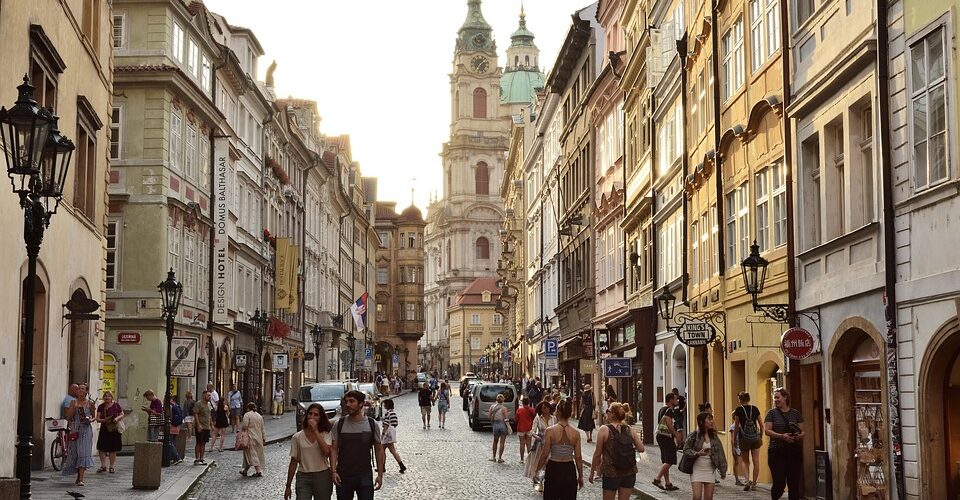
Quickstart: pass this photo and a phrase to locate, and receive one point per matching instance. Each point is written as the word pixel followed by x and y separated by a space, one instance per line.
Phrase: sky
pixel 378 70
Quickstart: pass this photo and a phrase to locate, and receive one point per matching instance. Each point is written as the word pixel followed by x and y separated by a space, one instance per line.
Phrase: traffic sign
pixel 368 352
pixel 617 367
pixel 696 333
pixel 797 343
pixel 396 359
pixel 482 360
pixel 551 347
pixel 551 366
pixel 183 357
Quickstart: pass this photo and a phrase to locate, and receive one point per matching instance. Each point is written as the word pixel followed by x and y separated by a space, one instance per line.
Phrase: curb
pixel 193 482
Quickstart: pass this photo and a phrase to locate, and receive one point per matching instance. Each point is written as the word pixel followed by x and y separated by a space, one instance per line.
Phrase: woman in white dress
pixel 253 455
pixel 707 450
pixel 543 420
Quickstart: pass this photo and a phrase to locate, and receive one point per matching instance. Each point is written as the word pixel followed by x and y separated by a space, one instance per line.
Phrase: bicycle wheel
pixel 57 456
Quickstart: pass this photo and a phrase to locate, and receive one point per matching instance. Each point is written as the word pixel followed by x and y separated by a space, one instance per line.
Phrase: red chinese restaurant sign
pixel 797 343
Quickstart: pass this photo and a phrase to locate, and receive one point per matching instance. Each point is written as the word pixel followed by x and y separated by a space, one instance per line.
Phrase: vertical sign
pixel 293 260
pixel 221 220
pixel 282 274
pixel 586 340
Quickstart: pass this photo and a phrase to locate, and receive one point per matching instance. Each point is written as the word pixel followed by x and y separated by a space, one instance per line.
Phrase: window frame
pixel 113 235
pixel 122 16
pixel 177 42
pixel 731 67
pixel 944 25
pixel 116 131
pixel 175 148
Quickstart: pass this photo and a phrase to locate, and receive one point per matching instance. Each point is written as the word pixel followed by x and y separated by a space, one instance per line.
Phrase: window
pixel 381 312
pixel 704 245
pixel 779 189
pixel 85 165
pixel 173 248
pixel 177 44
pixel 602 259
pixel 412 240
pixel 90 23
pixel 863 184
pixel 45 67
pixel 384 238
pixel 113 245
pixel 474 319
pixel 612 237
pixel 764 31
pixel 474 343
pixel 116 117
pixel 193 58
pixel 383 275
pixel 479 103
pixel 810 191
pixel 119 33
pixel 204 274
pixel 190 153
pixel 482 179
pixel 189 262
pixel 738 225
pixel 928 91
pixel 694 253
pixel 805 9
pixel 203 160
pixel 715 238
pixel 205 72
pixel 176 141
pixel 497 319
pixel 762 194
pixel 410 311
pixel 731 70
pixel 482 248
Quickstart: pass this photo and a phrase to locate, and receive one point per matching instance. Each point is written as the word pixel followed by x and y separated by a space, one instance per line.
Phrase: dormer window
pixel 486 296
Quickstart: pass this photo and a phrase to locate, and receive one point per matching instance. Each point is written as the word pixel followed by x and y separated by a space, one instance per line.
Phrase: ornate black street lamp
pixel 708 321
pixel 37 158
pixel 260 322
pixel 171 291
pixel 317 345
pixel 754 269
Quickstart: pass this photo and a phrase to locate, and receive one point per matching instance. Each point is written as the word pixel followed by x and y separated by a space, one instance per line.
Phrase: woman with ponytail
pixel 612 439
pixel 561 457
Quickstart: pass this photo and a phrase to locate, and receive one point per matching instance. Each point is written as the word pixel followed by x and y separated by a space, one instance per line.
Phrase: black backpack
pixel 624 453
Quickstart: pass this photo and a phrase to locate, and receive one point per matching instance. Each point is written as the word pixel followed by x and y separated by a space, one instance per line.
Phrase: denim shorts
pixel 617 482
pixel 499 428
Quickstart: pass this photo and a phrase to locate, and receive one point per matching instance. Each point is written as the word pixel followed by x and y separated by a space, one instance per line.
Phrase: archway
pixel 679 375
pixel 939 402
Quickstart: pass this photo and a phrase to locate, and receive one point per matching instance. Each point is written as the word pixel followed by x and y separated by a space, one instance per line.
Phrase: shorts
pixel 668 449
pixel 499 428
pixel 443 406
pixel 425 410
pixel 524 433
pixel 617 482
pixel 235 412
pixel 203 437
pixel 746 445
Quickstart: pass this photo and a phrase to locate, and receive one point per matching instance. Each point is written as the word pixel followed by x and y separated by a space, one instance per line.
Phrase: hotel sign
pixel 221 221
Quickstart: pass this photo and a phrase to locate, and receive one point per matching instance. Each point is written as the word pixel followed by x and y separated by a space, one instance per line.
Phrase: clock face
pixel 480 64
pixel 479 40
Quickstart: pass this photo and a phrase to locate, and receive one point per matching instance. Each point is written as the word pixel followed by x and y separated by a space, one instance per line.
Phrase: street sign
pixel 240 360
pixel 482 360
pixel 128 338
pixel 368 352
pixel 280 361
pixel 586 340
pixel 506 356
pixel 797 343
pixel 617 367
pixel 551 366
pixel 396 359
pixel 183 357
pixel 696 333
pixel 551 347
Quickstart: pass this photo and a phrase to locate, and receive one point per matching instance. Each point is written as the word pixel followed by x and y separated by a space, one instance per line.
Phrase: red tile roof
pixel 473 293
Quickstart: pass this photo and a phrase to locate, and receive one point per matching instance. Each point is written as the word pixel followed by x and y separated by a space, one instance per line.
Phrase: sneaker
pixel 741 483
pixel 403 468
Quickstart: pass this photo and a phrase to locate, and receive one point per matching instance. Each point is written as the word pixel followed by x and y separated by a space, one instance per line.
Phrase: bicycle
pixel 58 447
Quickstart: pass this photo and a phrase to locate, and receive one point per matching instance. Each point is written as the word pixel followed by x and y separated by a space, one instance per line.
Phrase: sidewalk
pixel 649 464
pixel 175 481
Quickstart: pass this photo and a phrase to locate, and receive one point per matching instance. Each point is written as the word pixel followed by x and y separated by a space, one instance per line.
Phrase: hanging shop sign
pixel 281 361
pixel 797 343
pixel 696 333
pixel 240 360
pixel 603 341
pixel 617 367
pixel 586 342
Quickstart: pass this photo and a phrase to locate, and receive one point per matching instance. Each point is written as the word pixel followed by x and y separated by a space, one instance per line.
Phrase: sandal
pixel 656 482
pixel 101 470
pixel 670 487
pixel 112 471
pixel 243 473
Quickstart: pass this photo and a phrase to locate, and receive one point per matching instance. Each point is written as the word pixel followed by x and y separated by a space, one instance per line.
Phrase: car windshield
pixel 488 393
pixel 321 392
pixel 368 388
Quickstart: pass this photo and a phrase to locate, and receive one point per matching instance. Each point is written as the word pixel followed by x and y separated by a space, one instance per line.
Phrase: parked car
pixel 483 395
pixel 373 403
pixel 327 394
pixel 466 384
pixel 421 379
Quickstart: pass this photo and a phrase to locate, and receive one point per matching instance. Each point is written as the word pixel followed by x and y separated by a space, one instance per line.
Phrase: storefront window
pixel 870 448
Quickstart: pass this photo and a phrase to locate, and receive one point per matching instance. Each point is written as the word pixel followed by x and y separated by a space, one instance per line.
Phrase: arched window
pixel 526 60
pixel 481 178
pixel 479 103
pixel 483 248
pixel 516 60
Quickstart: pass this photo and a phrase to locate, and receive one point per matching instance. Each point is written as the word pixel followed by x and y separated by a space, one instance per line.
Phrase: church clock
pixel 480 64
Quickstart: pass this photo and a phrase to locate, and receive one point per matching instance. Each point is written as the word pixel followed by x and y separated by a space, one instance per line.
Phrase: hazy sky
pixel 378 70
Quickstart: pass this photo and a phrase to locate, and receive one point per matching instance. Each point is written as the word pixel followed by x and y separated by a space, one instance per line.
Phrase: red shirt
pixel 525 418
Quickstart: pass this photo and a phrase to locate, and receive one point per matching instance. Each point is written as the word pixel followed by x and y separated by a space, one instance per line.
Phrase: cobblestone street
pixel 442 464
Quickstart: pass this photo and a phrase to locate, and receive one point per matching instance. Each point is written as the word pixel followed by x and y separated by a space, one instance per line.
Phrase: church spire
pixel 475 33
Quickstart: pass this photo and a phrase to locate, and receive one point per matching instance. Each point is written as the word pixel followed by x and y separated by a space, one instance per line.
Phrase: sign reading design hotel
pixel 221 241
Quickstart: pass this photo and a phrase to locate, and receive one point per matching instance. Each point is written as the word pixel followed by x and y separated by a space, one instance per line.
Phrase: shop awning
pixel 565 342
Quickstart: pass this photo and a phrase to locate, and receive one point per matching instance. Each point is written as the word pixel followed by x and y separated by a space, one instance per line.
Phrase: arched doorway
pixel 80 343
pixel 679 375
pixel 860 433
pixel 40 347
pixel 939 403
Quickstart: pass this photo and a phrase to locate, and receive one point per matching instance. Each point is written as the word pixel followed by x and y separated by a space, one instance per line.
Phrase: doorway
pixel 40 347
pixel 939 403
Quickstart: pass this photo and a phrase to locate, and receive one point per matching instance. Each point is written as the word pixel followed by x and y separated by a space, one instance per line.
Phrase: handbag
pixel 121 427
pixel 243 441
pixel 686 464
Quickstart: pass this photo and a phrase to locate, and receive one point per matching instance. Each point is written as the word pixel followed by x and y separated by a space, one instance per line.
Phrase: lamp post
pixel 260 322
pixel 754 269
pixel 37 157
pixel 317 345
pixel 352 344
pixel 170 291
pixel 717 320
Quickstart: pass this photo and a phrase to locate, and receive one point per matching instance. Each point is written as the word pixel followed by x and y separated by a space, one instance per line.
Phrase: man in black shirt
pixel 425 398
pixel 667 436
pixel 353 437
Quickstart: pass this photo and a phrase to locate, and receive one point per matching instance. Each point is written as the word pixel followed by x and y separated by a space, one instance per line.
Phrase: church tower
pixel 521 77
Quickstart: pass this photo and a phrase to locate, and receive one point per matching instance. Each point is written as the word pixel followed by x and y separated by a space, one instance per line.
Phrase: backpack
pixel 624 453
pixel 748 429
pixel 176 415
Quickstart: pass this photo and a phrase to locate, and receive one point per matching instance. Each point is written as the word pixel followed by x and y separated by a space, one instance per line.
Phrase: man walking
pixel 235 400
pixel 203 423
pixel 352 439
pixel 425 399
pixel 535 392
pixel 667 441
pixel 278 401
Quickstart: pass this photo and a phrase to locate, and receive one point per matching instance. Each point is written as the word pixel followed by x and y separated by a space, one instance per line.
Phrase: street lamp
pixel 666 303
pixel 754 270
pixel 352 344
pixel 260 322
pixel 317 345
pixel 37 158
pixel 171 292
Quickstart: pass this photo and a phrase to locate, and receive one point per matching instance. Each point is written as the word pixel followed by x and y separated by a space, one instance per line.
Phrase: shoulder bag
pixel 686 461
pixel 242 441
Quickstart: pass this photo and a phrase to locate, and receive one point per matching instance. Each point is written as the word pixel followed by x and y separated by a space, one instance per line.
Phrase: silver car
pixel 485 395
pixel 327 394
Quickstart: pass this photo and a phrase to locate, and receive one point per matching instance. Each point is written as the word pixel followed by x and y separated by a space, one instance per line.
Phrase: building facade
pixel 474 325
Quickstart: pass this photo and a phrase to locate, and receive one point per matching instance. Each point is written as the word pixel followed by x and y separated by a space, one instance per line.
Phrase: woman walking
pixel 746 435
pixel 543 420
pixel 563 476
pixel 705 448
pixel 221 420
pixel 309 458
pixel 109 416
pixel 784 425
pixel 617 482
pixel 188 404
pixel 253 455
pixel 443 404
pixel 586 423
pixel 389 438
pixel 498 415
pixel 80 413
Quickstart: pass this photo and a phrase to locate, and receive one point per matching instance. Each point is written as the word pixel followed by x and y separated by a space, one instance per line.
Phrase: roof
pixel 522 37
pixel 473 293
pixel 411 214
pixel 521 86
pixel 387 210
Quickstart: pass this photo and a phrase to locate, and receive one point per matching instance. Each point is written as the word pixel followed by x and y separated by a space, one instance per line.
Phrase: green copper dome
pixel 522 37
pixel 520 86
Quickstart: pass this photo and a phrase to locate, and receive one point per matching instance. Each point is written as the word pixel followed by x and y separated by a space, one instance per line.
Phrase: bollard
pixel 146 465
pixel 180 441
pixel 9 488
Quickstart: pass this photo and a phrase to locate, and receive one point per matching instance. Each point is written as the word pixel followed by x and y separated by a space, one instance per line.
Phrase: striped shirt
pixel 390 418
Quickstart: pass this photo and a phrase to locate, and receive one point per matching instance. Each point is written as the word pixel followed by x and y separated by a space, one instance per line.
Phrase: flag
pixel 359 310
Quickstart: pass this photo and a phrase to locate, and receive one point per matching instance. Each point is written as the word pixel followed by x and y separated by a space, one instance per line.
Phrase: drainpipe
pixel 717 159
pixel 889 245
pixel 685 165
